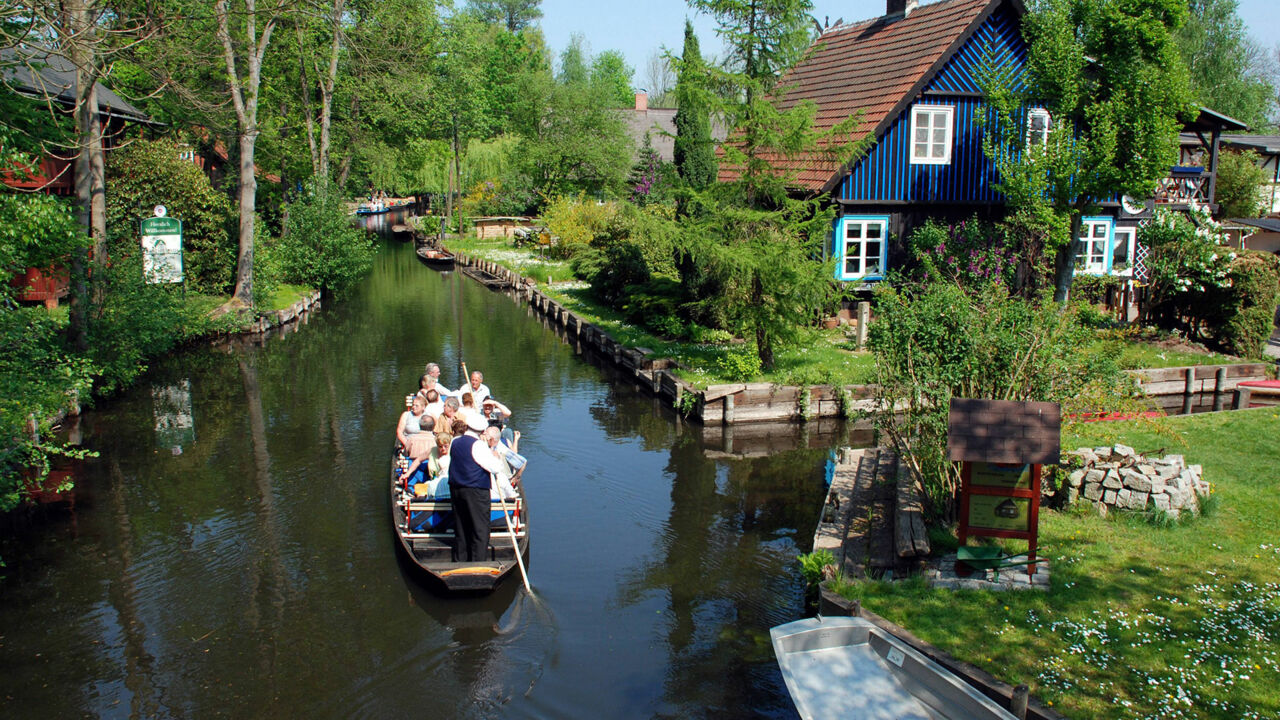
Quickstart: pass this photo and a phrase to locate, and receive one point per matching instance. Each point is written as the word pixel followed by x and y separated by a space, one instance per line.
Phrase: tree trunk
pixel 764 343
pixel 89 169
pixel 248 203
pixel 1065 262
pixel 308 115
pixel 328 84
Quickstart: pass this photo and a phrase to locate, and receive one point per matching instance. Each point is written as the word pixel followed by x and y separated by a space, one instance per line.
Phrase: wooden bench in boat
pixel 498 527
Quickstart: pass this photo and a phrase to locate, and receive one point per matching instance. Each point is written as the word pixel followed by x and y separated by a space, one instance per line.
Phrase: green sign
pixel 162 250
pixel 999 513
pixel 1001 475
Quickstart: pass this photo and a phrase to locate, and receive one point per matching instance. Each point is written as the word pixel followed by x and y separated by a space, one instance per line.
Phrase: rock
pixel 1102 453
pixel 1146 470
pixel 1076 479
pixel 1122 498
pixel 1168 472
pixel 1195 471
pixel 1138 500
pixel 1202 488
pixel 1093 491
pixel 1107 465
pixel 1157 485
pixel 1086 456
pixel 1161 502
pixel 1174 513
pixel 1176 460
pixel 1073 494
pixel 1136 481
pixel 1182 482
pixel 1102 508
pixel 1177 498
pixel 1109 497
pixel 1094 475
pixel 1112 480
pixel 1124 451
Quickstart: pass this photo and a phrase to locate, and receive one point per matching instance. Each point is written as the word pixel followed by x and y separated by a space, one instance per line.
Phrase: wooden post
pixel 1018 703
pixel 1243 396
pixel 864 319
pixel 1219 380
pixel 728 409
pixel 1188 393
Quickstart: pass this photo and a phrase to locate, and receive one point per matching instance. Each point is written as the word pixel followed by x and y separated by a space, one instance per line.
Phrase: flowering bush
pixel 969 253
pixel 1196 279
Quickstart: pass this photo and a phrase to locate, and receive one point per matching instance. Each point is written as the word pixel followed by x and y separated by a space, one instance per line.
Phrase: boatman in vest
pixel 469 482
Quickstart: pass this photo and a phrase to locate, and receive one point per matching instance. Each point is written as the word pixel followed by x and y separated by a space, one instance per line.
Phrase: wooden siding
pixel 886 174
pixel 999 37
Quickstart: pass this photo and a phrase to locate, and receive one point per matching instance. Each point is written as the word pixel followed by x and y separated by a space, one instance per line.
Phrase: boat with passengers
pixel 422 517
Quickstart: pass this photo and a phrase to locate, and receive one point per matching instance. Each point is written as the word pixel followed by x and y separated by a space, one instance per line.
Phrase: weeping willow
pixel 422 165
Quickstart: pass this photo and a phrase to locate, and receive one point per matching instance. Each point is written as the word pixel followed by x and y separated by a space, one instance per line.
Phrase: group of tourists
pixel 454 445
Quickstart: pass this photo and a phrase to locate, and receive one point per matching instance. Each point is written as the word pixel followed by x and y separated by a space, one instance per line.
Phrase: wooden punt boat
pixel 401 231
pixel 845 667
pixel 424 534
pixel 437 258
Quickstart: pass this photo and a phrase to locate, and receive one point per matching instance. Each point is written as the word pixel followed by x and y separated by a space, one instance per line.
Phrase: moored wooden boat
pixel 401 231
pixel 436 257
pixel 846 667
pixel 424 534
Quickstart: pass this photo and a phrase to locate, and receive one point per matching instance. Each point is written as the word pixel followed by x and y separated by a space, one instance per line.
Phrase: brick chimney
pixel 899 7
pixel 642 102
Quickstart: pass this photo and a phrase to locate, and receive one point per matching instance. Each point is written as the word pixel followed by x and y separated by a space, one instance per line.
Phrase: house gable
pixel 887 174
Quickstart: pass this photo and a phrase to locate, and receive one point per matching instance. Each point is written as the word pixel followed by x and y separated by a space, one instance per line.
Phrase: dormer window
pixel 931 134
pixel 1038 123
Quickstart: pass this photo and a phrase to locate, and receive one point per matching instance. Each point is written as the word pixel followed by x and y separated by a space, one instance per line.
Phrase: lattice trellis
pixel 1141 273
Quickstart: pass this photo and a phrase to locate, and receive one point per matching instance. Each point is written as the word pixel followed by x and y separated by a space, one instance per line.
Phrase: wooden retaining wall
pixel 744 403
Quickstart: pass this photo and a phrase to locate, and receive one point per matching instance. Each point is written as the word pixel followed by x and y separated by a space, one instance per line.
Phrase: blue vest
pixel 463 469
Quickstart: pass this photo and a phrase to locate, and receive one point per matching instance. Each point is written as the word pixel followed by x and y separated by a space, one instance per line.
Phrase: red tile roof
pixel 875 66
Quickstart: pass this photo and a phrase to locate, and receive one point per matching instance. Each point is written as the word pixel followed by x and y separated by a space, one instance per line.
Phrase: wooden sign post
pixel 1002 446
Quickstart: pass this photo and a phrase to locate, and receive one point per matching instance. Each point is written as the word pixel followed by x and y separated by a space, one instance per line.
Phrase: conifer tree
pixel 695 155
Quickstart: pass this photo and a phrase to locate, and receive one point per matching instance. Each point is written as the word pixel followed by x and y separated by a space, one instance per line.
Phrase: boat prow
pixel 845 667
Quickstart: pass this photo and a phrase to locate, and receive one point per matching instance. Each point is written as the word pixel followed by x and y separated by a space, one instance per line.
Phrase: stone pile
pixel 1119 478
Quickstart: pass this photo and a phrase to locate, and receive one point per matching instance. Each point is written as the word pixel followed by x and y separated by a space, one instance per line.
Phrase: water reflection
pixel 255 573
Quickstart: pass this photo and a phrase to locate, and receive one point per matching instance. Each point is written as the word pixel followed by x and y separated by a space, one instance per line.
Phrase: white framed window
pixel 862 247
pixel 1122 251
pixel 1092 254
pixel 1038 124
pixel 931 131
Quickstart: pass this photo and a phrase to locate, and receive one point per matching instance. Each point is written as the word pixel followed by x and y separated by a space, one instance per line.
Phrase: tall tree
pixel 611 74
pixel 1228 69
pixel 760 242
pixel 695 155
pixel 659 80
pixel 515 15
pixel 1111 78
pixel 244 56
pixel 326 82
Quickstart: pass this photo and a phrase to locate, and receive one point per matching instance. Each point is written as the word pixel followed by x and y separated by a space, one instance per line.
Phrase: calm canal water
pixel 253 573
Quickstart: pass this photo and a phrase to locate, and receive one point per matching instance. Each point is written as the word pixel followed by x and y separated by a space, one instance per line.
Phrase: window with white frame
pixel 1095 237
pixel 862 244
pixel 931 134
pixel 1038 122
pixel 1122 252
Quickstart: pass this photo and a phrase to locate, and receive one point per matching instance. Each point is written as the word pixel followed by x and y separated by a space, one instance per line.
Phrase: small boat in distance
pixel 436 257
pixel 846 667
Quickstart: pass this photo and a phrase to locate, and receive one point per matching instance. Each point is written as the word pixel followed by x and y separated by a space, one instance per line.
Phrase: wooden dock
pixel 873 517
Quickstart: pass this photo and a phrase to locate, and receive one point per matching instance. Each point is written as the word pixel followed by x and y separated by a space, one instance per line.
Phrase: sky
pixel 638 28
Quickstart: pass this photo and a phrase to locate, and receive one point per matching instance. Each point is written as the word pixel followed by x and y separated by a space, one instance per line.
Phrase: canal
pixel 230 551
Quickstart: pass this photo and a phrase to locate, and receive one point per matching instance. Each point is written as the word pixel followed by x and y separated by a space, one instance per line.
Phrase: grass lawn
pixel 284 296
pixel 825 357
pixel 1140 621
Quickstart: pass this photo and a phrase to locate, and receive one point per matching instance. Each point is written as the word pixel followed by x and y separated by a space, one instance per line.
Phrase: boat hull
pixel 850 667
pixel 438 259
pixel 429 550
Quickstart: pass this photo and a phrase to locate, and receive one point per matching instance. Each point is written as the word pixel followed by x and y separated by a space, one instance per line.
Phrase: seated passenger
pixel 479 391
pixel 495 412
pixel 435 405
pixel 448 413
pixel 468 407
pixel 410 423
pixel 434 371
pixel 501 487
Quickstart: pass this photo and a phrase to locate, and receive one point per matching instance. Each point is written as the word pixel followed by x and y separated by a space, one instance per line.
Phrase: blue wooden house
pixel 912 74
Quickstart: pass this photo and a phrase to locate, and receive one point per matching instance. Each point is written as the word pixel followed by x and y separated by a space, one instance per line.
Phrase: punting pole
pixel 515 544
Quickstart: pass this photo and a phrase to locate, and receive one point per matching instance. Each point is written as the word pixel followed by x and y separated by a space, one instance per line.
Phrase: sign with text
pixel 162 250
pixel 1001 475
pixel 999 513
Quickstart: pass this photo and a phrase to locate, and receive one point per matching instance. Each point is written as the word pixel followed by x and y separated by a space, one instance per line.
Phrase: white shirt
pixel 477 394
pixel 483 454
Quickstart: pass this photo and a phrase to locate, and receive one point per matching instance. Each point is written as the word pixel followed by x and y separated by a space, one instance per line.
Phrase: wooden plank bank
pixel 724 405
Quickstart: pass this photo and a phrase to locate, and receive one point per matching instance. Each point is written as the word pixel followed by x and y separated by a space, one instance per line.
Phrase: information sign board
pixel 162 250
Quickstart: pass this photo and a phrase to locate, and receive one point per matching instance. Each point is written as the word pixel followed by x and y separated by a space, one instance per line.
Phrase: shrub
pixel 968 253
pixel 134 323
pixel 320 246
pixel 146 173
pixel 576 221
pixel 940 341
pixel 1239 185
pixel 739 362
